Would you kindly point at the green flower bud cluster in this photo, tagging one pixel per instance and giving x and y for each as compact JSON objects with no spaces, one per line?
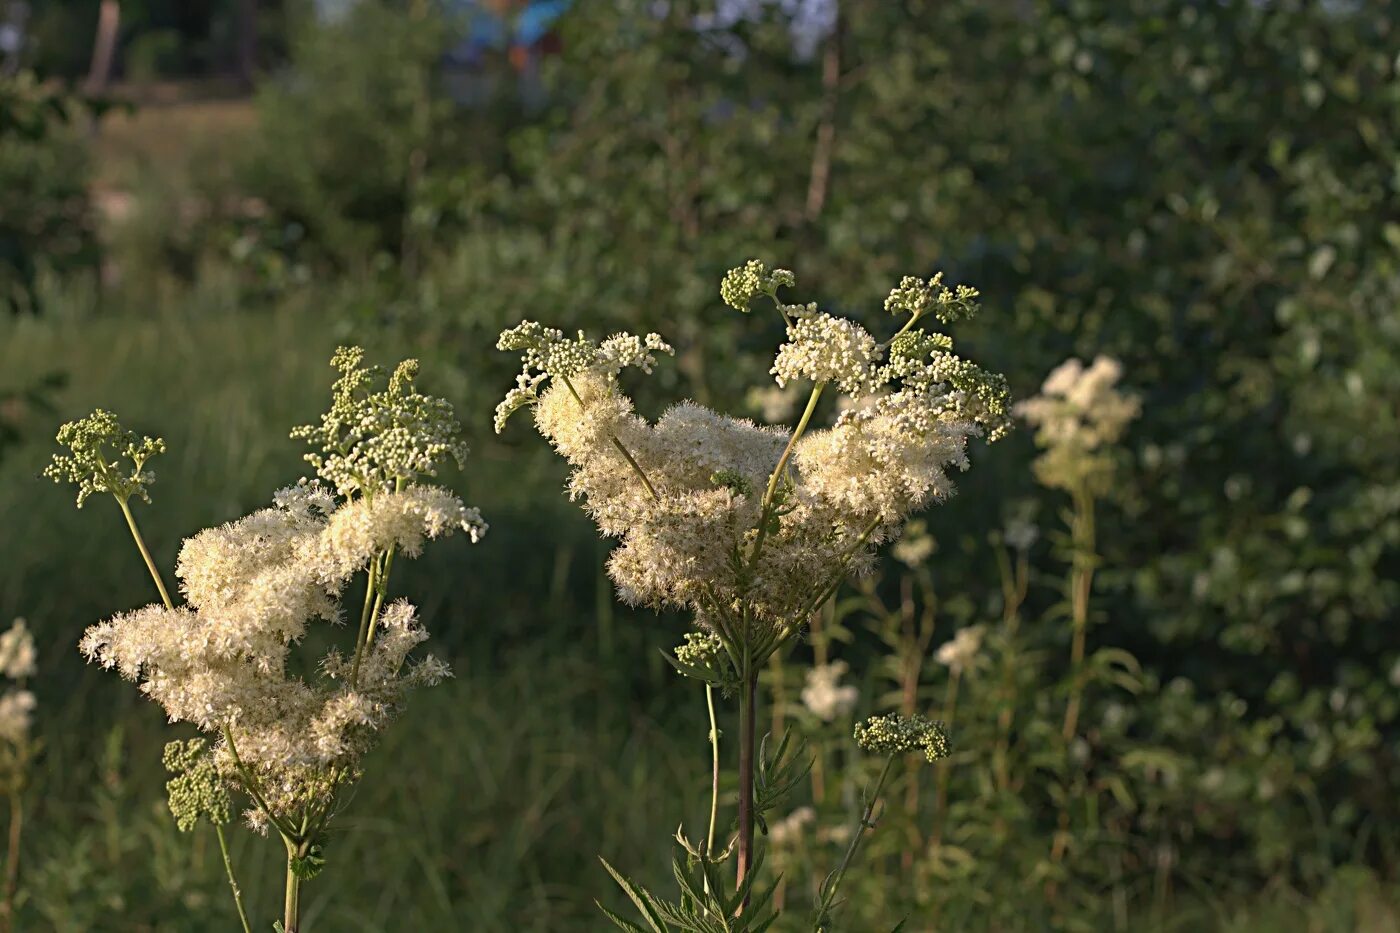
{"x":743,"y":284}
{"x":894,"y":734}
{"x":372,"y":439}
{"x":916,"y":297}
{"x":97,"y":445}
{"x":196,"y":790}
{"x":732,"y":480}
{"x":700,"y":649}
{"x":919,"y":344}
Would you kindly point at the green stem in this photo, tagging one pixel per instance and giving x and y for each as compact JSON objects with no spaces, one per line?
{"x":714,"y":772}
{"x":145,"y":553}
{"x":765,"y":508}
{"x":833,"y":880}
{"x":1081,"y":586}
{"x":362,"y":637}
{"x":746,"y":768}
{"x":232,"y":881}
{"x":383,"y":588}
{"x":950,"y":711}
{"x":622,"y":449}
{"x":291,"y":903}
{"x":250,"y":784}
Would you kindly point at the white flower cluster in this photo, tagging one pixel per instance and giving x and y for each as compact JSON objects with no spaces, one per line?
{"x":253,"y":586}
{"x":685,"y":495}
{"x":1079,"y":416}
{"x":824,"y":348}
{"x":17,"y":663}
{"x":825,"y":696}
{"x":959,"y":653}
{"x":546,"y":352}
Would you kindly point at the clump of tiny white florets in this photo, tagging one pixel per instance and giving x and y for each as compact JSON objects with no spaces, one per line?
{"x":824,"y":348}
{"x":894,"y":734}
{"x":97,"y":446}
{"x":1079,"y":415}
{"x":960,"y":652}
{"x":17,"y":663}
{"x":825,"y":696}
{"x":546,"y":352}
{"x":915,"y":546}
{"x":372,"y":439}
{"x":687,"y":494}
{"x":252,"y":587}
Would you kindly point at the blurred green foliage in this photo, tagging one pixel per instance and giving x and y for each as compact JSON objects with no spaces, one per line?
{"x":46,"y":222}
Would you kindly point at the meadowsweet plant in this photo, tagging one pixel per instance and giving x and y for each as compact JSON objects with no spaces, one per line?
{"x":751,"y":529}
{"x":1080,"y":416}
{"x":288,"y":747}
{"x":17,"y":750}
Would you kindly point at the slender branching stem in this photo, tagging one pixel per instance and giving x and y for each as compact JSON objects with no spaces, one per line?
{"x":714,"y":771}
{"x":765,"y":510}
{"x":636,"y":467}
{"x":1081,"y":585}
{"x":145,"y":552}
{"x":382,"y":590}
{"x":833,"y":881}
{"x":362,"y":637}
{"x":842,"y":567}
{"x":1014,"y":584}
{"x":223,"y":845}
{"x":232,"y":881}
{"x":250,"y":784}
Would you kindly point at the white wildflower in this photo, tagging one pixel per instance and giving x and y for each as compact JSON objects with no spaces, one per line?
{"x":701,"y":526}
{"x":960,"y":652}
{"x":824,"y":348}
{"x":17,"y":654}
{"x":1079,"y":416}
{"x":253,"y":586}
{"x":824,"y":695}
{"x":16,"y":716}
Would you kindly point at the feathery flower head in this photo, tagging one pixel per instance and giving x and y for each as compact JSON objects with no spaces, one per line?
{"x":197,"y":790}
{"x":97,"y":446}
{"x":372,"y":439}
{"x":17,"y":653}
{"x":253,"y":586}
{"x":728,"y":519}
{"x":1079,"y":415}
{"x":743,"y":284}
{"x":894,"y":734}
